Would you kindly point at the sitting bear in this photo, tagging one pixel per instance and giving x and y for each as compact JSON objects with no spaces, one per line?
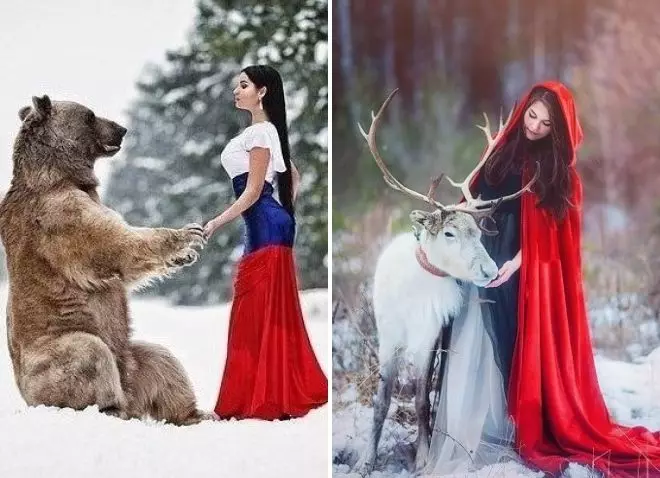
{"x":70,"y":261}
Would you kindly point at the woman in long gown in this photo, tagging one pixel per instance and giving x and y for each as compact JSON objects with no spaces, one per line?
{"x":271,"y":371}
{"x":522,"y":383}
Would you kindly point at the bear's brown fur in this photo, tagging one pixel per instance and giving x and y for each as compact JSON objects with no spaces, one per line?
{"x":70,"y":261}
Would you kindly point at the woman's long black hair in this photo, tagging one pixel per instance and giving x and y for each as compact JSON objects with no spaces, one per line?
{"x":273,"y":103}
{"x":553,"y":153}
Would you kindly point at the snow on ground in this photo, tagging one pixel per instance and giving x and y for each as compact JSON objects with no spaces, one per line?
{"x":631,"y":391}
{"x":45,"y":441}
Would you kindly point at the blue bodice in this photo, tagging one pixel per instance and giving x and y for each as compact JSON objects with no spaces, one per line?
{"x":267,"y":223}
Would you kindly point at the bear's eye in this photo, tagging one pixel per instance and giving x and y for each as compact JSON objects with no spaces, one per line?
{"x":90,"y":117}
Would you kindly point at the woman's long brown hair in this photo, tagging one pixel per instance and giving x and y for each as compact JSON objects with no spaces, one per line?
{"x":553,"y":153}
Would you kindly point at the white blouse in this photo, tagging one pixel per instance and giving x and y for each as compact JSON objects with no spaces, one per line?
{"x":235,"y":158}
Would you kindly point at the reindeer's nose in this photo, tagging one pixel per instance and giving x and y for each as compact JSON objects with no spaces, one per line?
{"x":489,"y":271}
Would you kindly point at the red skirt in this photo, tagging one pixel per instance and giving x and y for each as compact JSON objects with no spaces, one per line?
{"x":271,"y":371}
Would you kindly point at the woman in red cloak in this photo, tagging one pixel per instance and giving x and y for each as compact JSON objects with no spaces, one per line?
{"x":537,"y":329}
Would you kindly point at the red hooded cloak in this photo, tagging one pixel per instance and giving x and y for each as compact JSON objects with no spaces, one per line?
{"x":554,"y":398}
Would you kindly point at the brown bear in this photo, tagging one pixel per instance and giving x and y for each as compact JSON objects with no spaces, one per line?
{"x":70,"y":261}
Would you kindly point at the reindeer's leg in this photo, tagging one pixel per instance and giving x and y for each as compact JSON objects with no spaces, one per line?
{"x":424,"y":376}
{"x":444,"y":354}
{"x":426,"y":384}
{"x":388,"y":373}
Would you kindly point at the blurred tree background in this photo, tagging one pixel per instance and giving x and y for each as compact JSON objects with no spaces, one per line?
{"x":184,"y":115}
{"x":453,"y":60}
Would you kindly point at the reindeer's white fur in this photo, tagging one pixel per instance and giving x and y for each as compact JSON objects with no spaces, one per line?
{"x":410,"y":304}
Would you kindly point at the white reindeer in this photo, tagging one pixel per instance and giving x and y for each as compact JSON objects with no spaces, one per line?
{"x":422,"y":281}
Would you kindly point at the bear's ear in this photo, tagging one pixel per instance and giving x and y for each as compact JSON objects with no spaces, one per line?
{"x":42,"y":106}
{"x":24,"y":112}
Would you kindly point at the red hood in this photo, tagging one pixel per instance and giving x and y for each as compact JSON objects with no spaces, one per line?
{"x":567,"y":106}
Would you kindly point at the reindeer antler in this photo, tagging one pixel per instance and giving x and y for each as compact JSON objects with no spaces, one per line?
{"x":433,"y":186}
{"x":387,"y":175}
{"x":478,"y":205}
{"x":479,"y":208}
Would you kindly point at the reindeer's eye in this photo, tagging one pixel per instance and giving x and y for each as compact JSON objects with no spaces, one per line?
{"x":449,"y":234}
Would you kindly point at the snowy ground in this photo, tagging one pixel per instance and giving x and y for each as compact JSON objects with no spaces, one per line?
{"x":631,"y":391}
{"x":42,"y":441}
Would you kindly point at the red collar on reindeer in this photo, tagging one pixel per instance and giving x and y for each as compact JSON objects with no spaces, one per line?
{"x":423,"y":261}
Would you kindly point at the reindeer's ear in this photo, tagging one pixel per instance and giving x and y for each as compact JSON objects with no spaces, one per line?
{"x":418,"y":216}
{"x":431,"y":221}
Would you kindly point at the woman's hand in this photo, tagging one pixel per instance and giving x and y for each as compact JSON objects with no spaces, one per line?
{"x":506,"y":271}
{"x":210,"y":228}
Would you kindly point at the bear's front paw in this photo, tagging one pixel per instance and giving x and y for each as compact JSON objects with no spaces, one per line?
{"x":187,"y":257}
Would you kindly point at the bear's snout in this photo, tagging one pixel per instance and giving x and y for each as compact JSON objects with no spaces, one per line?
{"x":114,"y":133}
{"x":111,"y":136}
